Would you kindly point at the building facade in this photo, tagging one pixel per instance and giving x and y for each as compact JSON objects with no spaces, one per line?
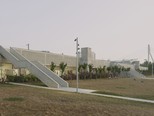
{"x":46,"y":57}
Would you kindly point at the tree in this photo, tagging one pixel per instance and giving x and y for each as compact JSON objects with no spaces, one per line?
{"x":62,"y":66}
{"x":79,"y":68}
{"x":84,"y":66}
{"x":104,"y":68}
{"x":119,"y":71}
{"x":100,"y":70}
{"x":90,"y":66}
{"x":104,"y":71}
{"x":96,"y":72}
{"x":52,"y":66}
{"x":149,"y":66}
{"x":109,"y":71}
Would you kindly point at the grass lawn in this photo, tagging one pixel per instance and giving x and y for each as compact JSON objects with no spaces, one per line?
{"x":138,"y":88}
{"x":28,"y":101}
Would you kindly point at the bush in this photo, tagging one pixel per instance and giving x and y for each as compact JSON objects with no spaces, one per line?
{"x":31,"y":78}
{"x":15,"y":78}
{"x":19,"y":79}
{"x":27,"y":78}
{"x":10,"y":78}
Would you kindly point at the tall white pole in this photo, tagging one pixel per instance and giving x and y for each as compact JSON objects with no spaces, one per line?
{"x":150,"y":55}
{"x":152,"y":63}
{"x":152,"y":69}
{"x":77,"y":78}
{"x":28,"y":46}
{"x":148,"y":52}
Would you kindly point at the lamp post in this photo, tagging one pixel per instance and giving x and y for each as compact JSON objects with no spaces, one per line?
{"x":77,"y":53}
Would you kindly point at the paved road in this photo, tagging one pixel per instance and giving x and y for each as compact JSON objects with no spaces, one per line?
{"x":89,"y":92}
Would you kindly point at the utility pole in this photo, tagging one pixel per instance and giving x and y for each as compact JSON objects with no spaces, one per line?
{"x":150,"y":55}
{"x":28,"y":46}
{"x":148,"y":52}
{"x":77,"y":57}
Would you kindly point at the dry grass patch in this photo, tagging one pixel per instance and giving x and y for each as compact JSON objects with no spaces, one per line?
{"x":42,"y":102}
{"x":131,"y":87}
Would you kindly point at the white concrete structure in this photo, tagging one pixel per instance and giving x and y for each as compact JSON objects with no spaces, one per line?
{"x":18,"y":60}
{"x":22,"y":61}
{"x":44,"y":74}
{"x":89,"y":57}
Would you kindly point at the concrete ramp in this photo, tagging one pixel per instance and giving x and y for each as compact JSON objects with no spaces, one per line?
{"x":58,"y":79}
{"x":134,"y":73}
{"x":46,"y":76}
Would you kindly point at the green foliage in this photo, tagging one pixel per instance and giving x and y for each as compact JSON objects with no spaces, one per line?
{"x":31,"y":78}
{"x":52,"y":66}
{"x":100,"y":70}
{"x":90,"y":66}
{"x":108,"y":69}
{"x":149,"y":65}
{"x":20,"y":79}
{"x":84,"y":66}
{"x":79,"y":68}
{"x":10,"y":78}
{"x":16,"y":78}
{"x":62,"y":66}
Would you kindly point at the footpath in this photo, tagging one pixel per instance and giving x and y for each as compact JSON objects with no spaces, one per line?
{"x":87,"y":91}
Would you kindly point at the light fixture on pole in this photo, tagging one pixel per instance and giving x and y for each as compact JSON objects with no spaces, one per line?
{"x":77,"y":57}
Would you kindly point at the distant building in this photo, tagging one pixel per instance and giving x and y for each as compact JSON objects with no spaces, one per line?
{"x":45,"y":58}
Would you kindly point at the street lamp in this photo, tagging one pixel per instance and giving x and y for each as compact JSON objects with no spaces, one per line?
{"x":77,"y":54}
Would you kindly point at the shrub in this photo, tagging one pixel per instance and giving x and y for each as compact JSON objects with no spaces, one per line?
{"x":27,"y":78}
{"x":15,"y":78}
{"x":19,"y":79}
{"x":31,"y":78}
{"x":10,"y":78}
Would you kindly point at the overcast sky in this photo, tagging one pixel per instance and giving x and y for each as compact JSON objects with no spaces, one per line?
{"x":114,"y":29}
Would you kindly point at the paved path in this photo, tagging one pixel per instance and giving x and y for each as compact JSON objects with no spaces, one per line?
{"x":89,"y":92}
{"x":148,"y":78}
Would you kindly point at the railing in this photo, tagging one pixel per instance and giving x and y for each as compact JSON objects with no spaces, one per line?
{"x":46,"y":79}
{"x":10,"y":57}
{"x":58,"y":79}
{"x":40,"y":71}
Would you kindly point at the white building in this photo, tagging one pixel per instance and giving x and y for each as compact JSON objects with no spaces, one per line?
{"x":46,"y":57}
{"x":16,"y":61}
